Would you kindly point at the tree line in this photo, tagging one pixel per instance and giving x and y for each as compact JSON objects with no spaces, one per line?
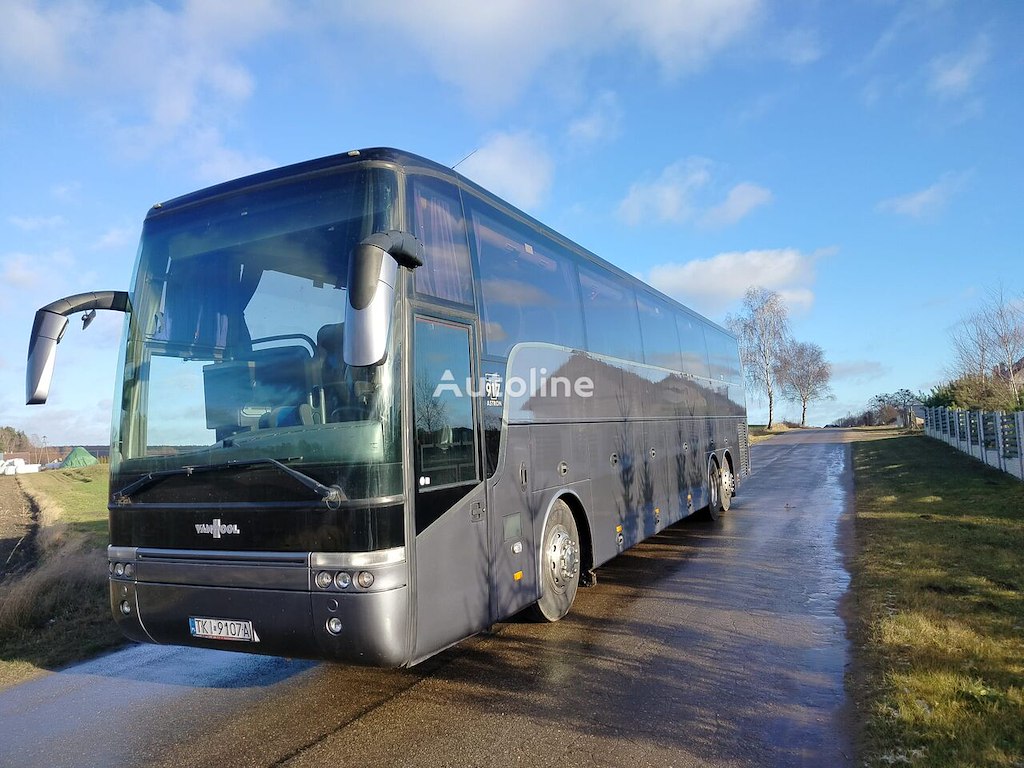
{"x":776,"y":365}
{"x":13,"y":440}
{"x":885,"y":408}
{"x":987,"y":368}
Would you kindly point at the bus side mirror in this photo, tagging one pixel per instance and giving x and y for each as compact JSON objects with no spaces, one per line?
{"x":48,"y":329}
{"x":372,"y":276}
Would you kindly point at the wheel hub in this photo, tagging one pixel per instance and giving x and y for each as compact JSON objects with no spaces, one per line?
{"x":564,"y":559}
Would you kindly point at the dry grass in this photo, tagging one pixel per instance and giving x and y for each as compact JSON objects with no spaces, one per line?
{"x":58,"y":612}
{"x":938,"y":603}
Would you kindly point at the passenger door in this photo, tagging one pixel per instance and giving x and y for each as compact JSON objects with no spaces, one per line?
{"x":452,"y":566}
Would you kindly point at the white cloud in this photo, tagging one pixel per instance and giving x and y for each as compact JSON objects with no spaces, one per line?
{"x":669,"y":198}
{"x":713,"y":284}
{"x":683,"y":35}
{"x":17,"y":271}
{"x":515,"y":166}
{"x":926,"y":202}
{"x":601,"y":123}
{"x":799,"y":47}
{"x":741,"y":200}
{"x":501,"y":45}
{"x":164,"y":75}
{"x":116,"y":237}
{"x":37,"y":223}
{"x":954,"y":75}
{"x":679,"y":195}
{"x":859,"y":371}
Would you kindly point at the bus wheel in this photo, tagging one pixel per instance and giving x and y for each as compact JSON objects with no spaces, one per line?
{"x":728,"y":487}
{"x":559,"y":557}
{"x":715,"y":488}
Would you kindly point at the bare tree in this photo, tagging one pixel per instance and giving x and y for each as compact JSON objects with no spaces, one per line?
{"x":988,"y":348}
{"x":804,"y":375}
{"x":1006,"y":334}
{"x":763,"y":330}
{"x":972,"y":357}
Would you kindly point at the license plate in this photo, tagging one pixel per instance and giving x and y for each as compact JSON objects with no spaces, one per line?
{"x":222,"y":629}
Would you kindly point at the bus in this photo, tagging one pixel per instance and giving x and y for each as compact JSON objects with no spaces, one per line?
{"x":366,"y":409}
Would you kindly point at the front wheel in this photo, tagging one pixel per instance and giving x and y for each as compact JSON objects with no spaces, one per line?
{"x":559,"y":558}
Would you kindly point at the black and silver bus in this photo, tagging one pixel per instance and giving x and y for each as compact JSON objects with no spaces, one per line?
{"x":366,"y":409}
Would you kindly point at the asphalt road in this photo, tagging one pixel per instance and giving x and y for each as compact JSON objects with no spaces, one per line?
{"x":712,"y":644}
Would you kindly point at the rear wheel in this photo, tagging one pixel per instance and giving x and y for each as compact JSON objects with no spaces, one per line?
{"x":715,"y":504}
{"x":559,"y":558}
{"x":727,"y":488}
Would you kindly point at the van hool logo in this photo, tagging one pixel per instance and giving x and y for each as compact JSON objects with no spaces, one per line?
{"x":217,"y":528}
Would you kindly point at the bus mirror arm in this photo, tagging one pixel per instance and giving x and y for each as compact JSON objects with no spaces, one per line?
{"x":48,"y":329}
{"x":372,"y":277}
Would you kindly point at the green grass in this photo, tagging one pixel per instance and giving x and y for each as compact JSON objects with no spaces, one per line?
{"x":80,"y":495}
{"x":58,"y":612}
{"x":938,"y":607}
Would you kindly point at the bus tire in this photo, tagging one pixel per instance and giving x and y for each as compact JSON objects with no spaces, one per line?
{"x":559,"y":561}
{"x":728,"y":487}
{"x":715,"y":490}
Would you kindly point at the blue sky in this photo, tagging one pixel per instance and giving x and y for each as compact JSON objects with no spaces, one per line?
{"x":864,"y":159}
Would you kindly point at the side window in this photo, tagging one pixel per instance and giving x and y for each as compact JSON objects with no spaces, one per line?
{"x":445,"y":446}
{"x":527,"y":287}
{"x":723,"y":357}
{"x":693,"y":345}
{"x":609,"y":311}
{"x":439,"y":224}
{"x":658,"y":326}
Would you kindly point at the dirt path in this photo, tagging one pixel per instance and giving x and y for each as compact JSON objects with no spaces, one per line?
{"x":15,"y":527}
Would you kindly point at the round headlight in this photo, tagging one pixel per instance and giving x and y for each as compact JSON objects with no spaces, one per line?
{"x":126,"y":607}
{"x":334,"y":625}
{"x":364,"y":579}
{"x":129,"y":569}
{"x":342,"y":580}
{"x":119,"y":569}
{"x":324,"y":579}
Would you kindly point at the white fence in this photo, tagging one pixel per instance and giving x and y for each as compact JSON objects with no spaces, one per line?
{"x":992,"y":437}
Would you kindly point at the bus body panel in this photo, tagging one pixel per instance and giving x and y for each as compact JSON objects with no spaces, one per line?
{"x":512,"y":510}
{"x":453,"y":575}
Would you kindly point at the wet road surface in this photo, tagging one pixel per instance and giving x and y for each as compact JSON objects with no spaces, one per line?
{"x":710,"y":644}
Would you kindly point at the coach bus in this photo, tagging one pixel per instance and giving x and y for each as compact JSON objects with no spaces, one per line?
{"x":366,"y":409}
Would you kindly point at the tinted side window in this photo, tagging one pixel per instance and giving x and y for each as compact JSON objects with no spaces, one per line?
{"x":439,"y":224}
{"x":609,"y":310}
{"x":527,"y":287}
{"x":723,"y":356}
{"x":445,"y":448}
{"x":694,"y":348}
{"x":658,"y":326}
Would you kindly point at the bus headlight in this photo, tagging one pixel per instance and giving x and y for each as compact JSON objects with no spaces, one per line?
{"x":342,"y":580}
{"x":364,"y":579}
{"x":324,"y":579}
{"x":334,"y":625}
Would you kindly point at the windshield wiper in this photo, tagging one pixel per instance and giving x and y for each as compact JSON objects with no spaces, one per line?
{"x":331,"y":495}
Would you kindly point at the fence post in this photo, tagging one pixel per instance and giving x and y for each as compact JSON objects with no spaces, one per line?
{"x":1018,"y":418}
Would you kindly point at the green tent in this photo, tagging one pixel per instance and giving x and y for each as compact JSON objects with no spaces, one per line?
{"x":79,"y":458}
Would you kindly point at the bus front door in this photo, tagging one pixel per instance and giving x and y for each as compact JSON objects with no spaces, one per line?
{"x":452,"y":564}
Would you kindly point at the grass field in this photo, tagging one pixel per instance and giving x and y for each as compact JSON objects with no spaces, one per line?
{"x":58,"y":612}
{"x":938,"y":609}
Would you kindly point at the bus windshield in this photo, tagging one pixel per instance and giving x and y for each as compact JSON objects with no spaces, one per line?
{"x":234,"y":350}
